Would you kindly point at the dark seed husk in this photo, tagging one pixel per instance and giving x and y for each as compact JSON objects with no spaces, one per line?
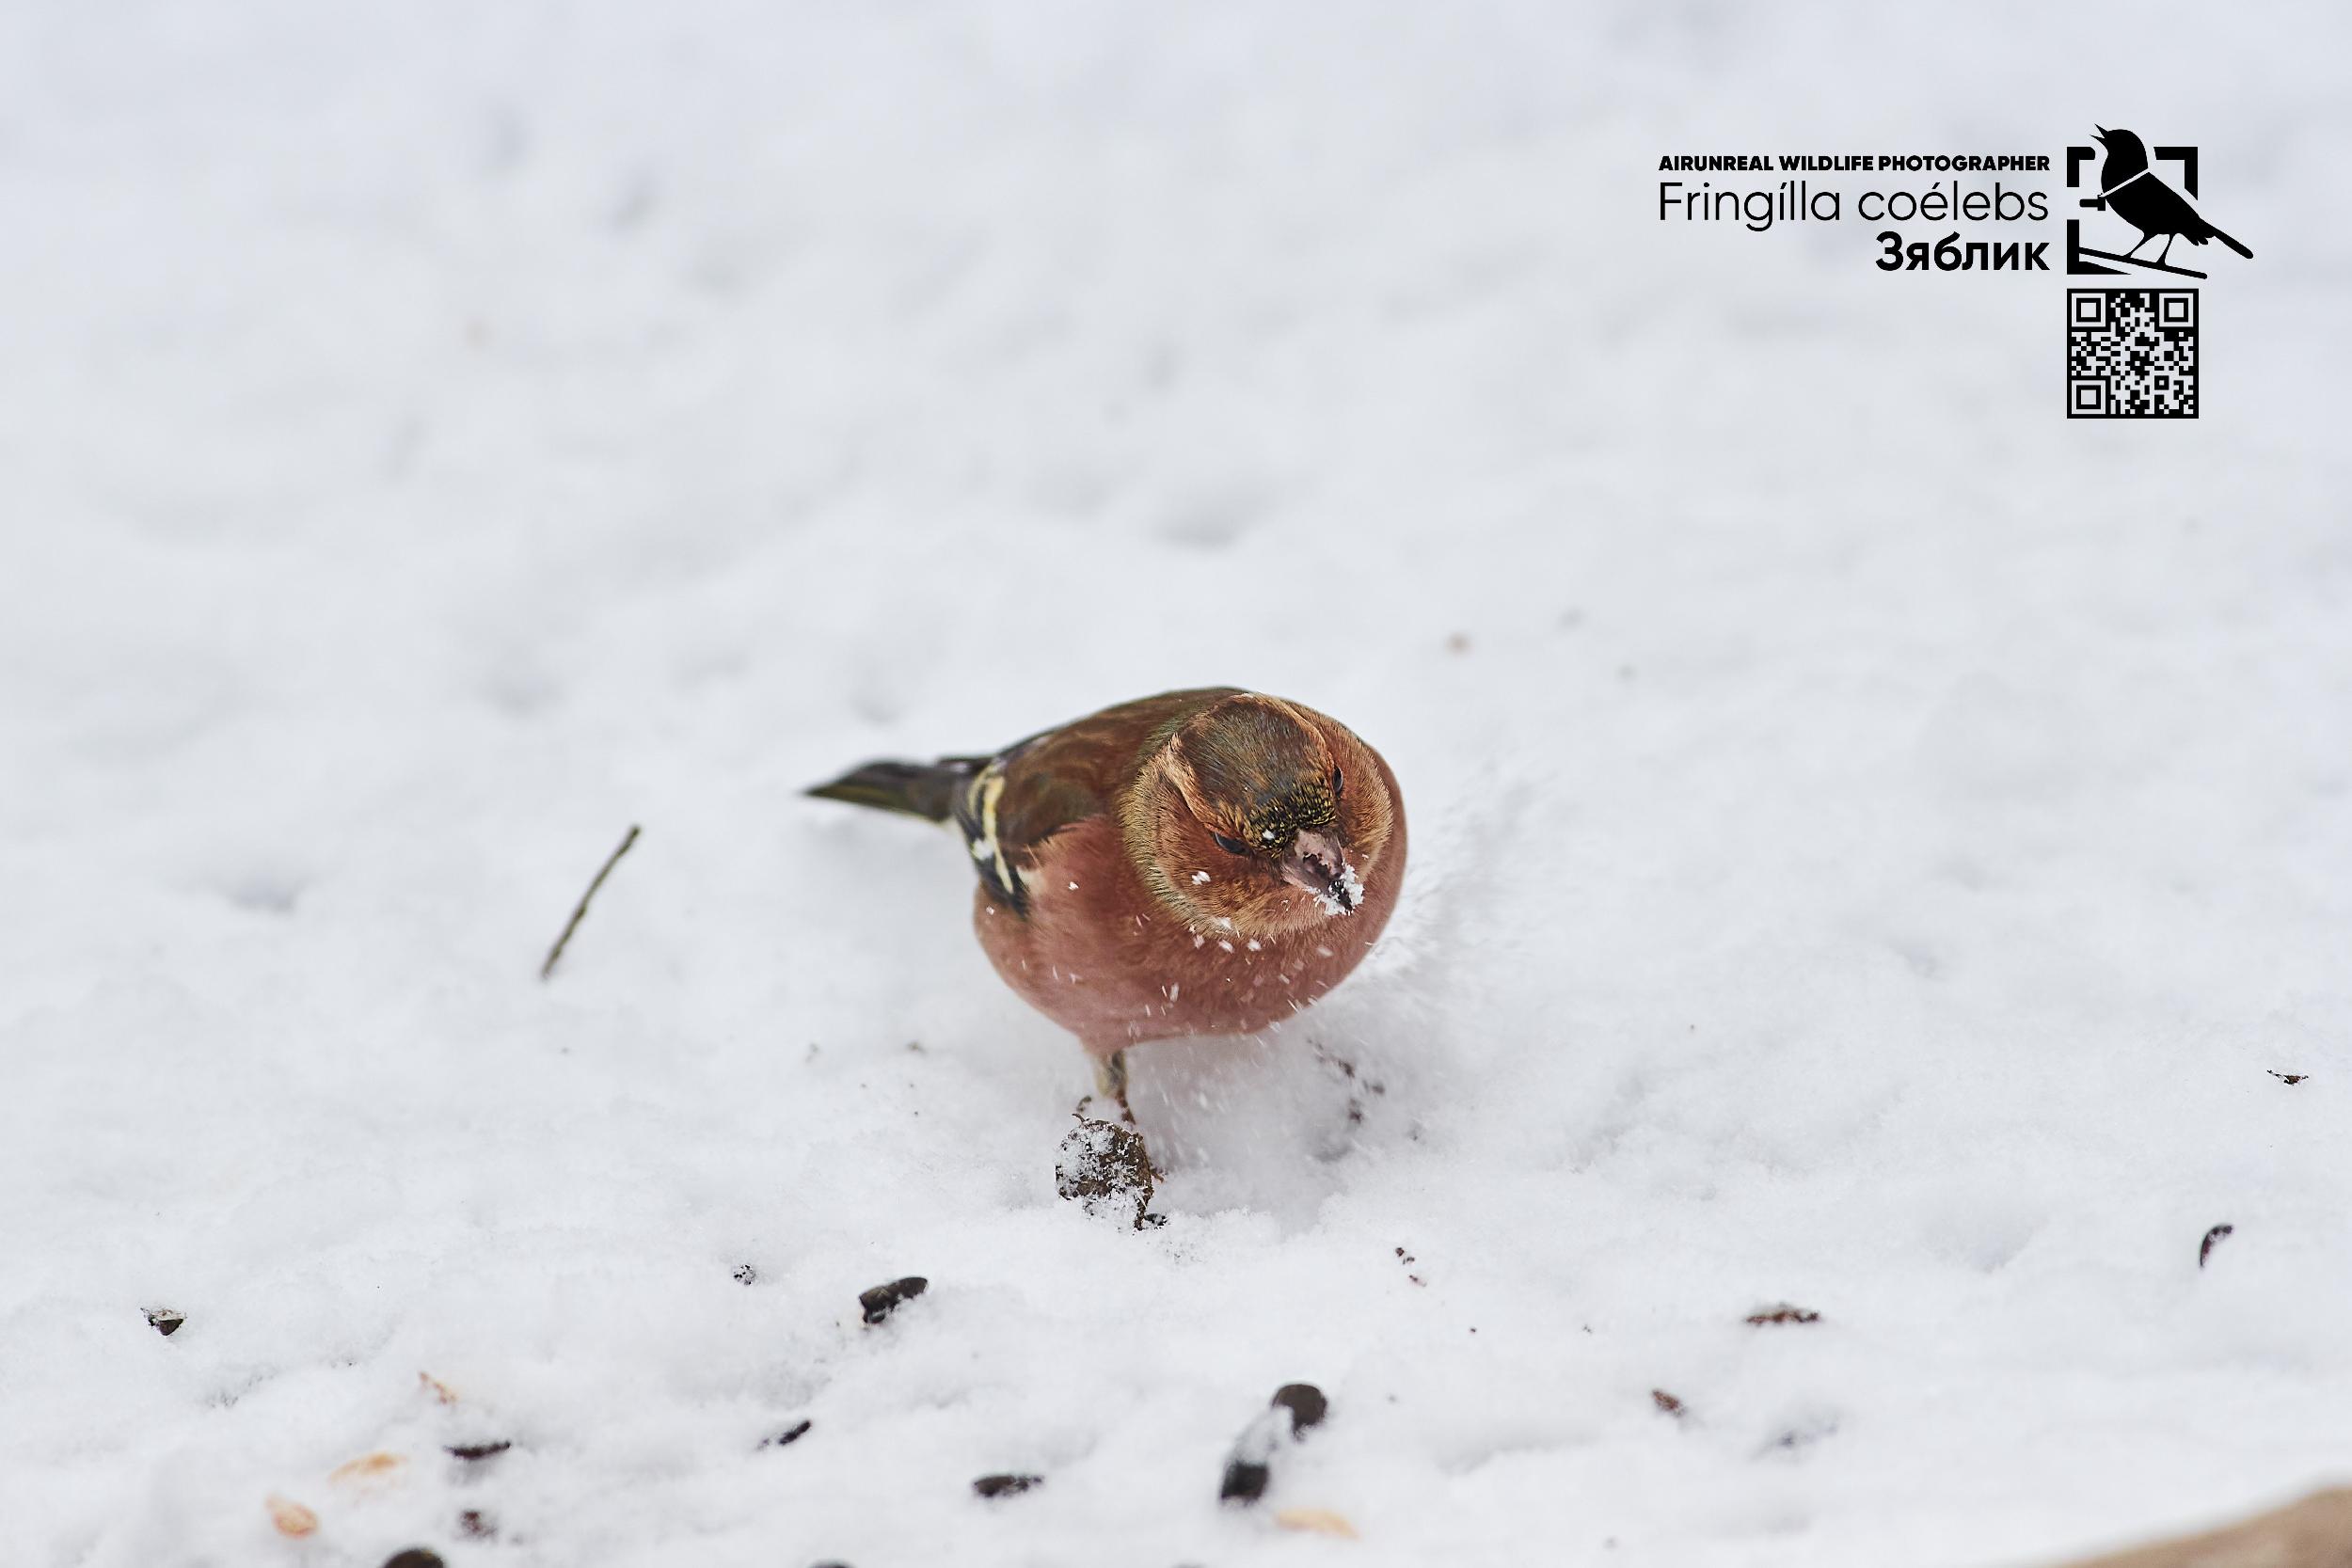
{"x":1306,"y":1404}
{"x":1783,"y":1313}
{"x":1244,"y":1483}
{"x":882,"y":1300}
{"x":1006,"y":1486}
{"x":478,"y":1450}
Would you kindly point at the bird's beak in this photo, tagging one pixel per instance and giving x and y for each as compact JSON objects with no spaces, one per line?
{"x":2098,"y":135}
{"x":1318,"y":864}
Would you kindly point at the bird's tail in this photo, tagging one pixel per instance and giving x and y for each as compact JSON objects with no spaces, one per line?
{"x":2233,"y":243}
{"x":924,"y":789}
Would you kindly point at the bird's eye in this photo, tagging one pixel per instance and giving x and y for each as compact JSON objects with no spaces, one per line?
{"x":1337,"y":780}
{"x":1230,"y":846}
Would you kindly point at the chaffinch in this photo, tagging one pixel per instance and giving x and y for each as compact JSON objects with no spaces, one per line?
{"x":1199,"y":862}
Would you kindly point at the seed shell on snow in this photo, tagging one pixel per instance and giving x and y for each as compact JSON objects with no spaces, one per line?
{"x":472,"y":1452}
{"x":1783,"y":1313}
{"x":1319,"y":1520}
{"x":882,"y":1300}
{"x":788,"y":1436}
{"x":368,"y":1467}
{"x":1006,"y":1486}
{"x":291,"y":1518}
{"x":1295,"y":1409}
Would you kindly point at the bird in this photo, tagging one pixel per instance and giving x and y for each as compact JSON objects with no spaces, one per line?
{"x":2131,"y":189}
{"x":1206,"y":862}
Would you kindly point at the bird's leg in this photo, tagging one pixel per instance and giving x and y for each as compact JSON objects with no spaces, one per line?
{"x":1110,"y":1082}
{"x":1110,"y":1079}
{"x":2167,"y":249}
{"x":2134,"y":251}
{"x":1105,"y":1161}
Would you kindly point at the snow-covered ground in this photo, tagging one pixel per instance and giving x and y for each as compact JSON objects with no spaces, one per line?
{"x":1875,"y":841}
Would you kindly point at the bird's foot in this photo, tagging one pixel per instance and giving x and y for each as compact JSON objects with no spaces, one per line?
{"x":1105,"y":1167}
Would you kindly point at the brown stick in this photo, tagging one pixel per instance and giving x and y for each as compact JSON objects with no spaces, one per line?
{"x":579,"y":910}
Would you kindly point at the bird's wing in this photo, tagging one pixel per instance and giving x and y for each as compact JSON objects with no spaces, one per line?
{"x":2156,"y":208}
{"x":1032,"y":790}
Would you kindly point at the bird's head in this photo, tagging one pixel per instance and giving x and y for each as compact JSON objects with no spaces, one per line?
{"x":2121,"y":145}
{"x":1259,"y":817}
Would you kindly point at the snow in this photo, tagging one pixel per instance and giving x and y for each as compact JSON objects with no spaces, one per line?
{"x":1349,"y":883}
{"x":1875,"y":840}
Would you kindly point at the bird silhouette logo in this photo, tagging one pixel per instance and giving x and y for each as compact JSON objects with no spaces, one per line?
{"x":2130,"y":188}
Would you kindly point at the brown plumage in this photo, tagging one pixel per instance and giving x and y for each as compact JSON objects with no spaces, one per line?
{"x":1199,"y":862}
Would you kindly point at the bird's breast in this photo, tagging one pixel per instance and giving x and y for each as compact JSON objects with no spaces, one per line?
{"x":1100,"y":955}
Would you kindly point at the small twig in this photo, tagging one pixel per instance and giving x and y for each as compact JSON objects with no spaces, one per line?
{"x":581,"y":909}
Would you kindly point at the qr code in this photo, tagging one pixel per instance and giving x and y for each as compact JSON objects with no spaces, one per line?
{"x":2131,"y":354}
